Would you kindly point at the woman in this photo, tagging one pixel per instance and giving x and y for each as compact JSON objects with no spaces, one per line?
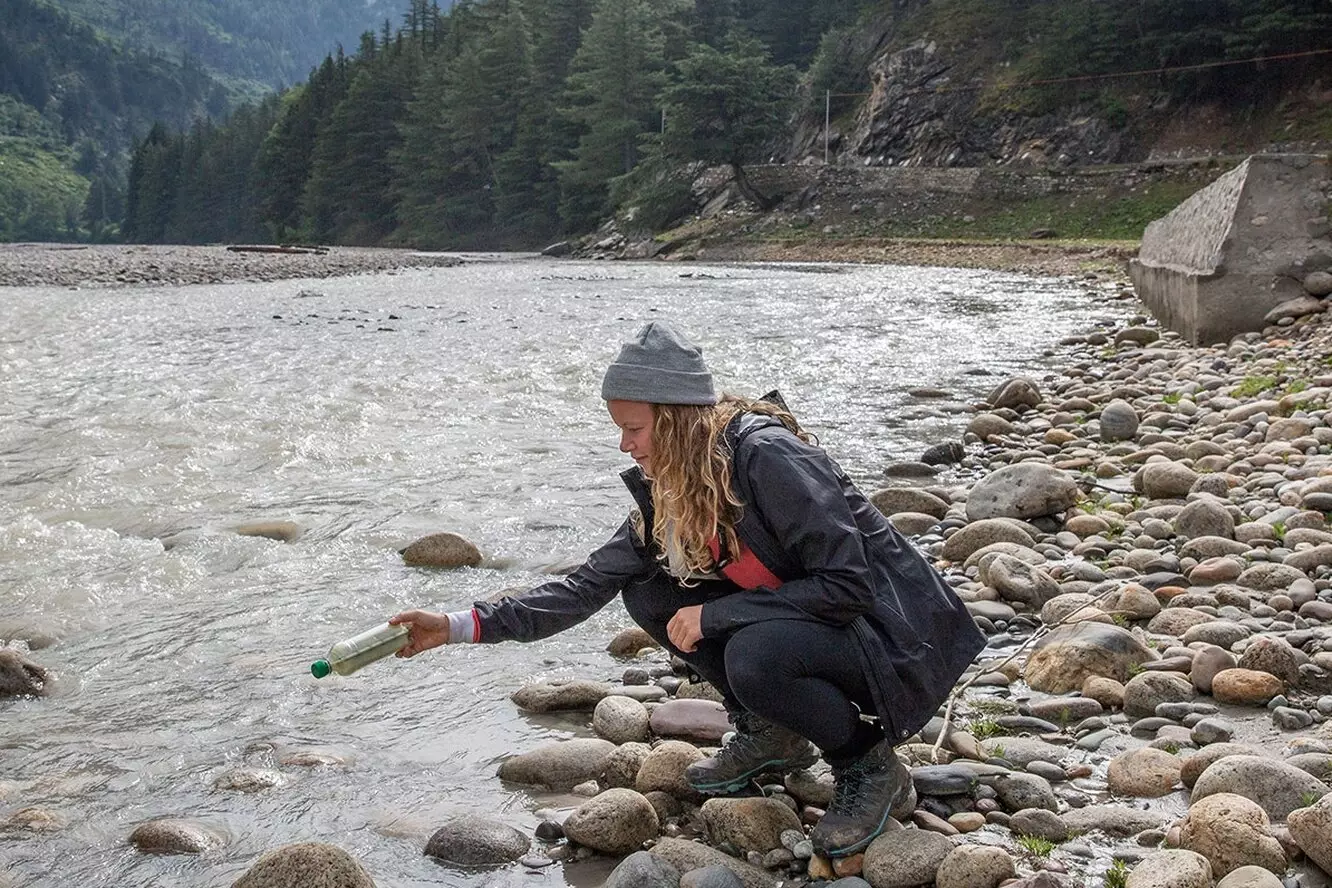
{"x":753,"y":558}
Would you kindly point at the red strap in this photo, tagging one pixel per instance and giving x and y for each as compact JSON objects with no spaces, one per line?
{"x":745,"y":570}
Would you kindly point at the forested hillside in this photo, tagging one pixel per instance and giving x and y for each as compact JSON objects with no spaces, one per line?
{"x":505,"y":123}
{"x":272,"y":43}
{"x":82,"y":81}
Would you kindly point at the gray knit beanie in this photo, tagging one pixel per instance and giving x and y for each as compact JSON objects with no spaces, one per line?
{"x":659,"y":366}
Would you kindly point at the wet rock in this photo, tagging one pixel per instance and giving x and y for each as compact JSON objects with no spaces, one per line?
{"x":476,"y":841}
{"x":573,"y":696}
{"x":1020,"y":391}
{"x":644,"y":870}
{"x":19,"y":676}
{"x":702,"y":721}
{"x":1023,"y":490}
{"x":444,"y":550}
{"x":37,"y":633}
{"x":1231,"y":831}
{"x":1275,"y":786}
{"x":628,"y":642}
{"x":280,"y":531}
{"x":907,"y":858}
{"x":943,"y":454}
{"x":1171,"y":869}
{"x":174,"y":837}
{"x":754,"y":824}
{"x":1061,"y":661}
{"x":306,"y":865}
{"x":620,"y":720}
{"x":33,"y":819}
{"x":559,"y":766}
{"x":246,"y":779}
{"x":618,"y":821}
{"x":974,"y":866}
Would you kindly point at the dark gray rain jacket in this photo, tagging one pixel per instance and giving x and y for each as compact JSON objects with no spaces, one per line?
{"x":840,"y":562}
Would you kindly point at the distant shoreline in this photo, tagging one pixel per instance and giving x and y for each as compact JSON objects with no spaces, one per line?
{"x":1048,"y":258}
{"x":131,"y":265}
{"x":134,"y":265}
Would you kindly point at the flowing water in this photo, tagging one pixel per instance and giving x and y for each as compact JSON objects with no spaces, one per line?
{"x":137,"y":426}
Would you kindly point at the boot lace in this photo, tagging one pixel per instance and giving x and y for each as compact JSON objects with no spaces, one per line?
{"x":851,"y":794}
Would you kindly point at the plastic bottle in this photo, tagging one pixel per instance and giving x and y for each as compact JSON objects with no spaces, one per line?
{"x":347,"y":656}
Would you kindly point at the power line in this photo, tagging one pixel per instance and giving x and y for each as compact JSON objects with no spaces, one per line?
{"x":1091,"y":77}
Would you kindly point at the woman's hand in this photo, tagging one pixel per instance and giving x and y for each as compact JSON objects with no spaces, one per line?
{"x":426,"y":631}
{"x":685,"y":629}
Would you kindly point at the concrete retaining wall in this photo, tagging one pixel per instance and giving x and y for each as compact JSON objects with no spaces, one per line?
{"x":1216,"y":264}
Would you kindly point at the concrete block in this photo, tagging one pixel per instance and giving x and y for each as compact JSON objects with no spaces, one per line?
{"x":1219,"y":262}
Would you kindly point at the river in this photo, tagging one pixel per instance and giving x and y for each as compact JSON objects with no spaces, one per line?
{"x":140,"y":425}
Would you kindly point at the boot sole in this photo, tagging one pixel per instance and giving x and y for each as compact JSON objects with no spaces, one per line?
{"x":735,"y":784}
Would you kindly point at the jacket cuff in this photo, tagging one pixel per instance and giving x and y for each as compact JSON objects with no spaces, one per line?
{"x":464,"y":628}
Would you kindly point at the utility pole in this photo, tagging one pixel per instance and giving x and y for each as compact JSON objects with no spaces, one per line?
{"x":827,"y":116}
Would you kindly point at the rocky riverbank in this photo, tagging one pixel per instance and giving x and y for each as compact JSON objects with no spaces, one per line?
{"x":77,"y":265}
{"x":1144,"y":538}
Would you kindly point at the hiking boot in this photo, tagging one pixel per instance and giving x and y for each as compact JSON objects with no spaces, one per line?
{"x":867,"y":791}
{"x":758,"y":747}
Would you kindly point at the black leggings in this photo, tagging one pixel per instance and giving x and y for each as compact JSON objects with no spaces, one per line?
{"x":803,"y":675}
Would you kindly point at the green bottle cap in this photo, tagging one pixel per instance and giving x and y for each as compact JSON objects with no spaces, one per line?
{"x":320,"y":668}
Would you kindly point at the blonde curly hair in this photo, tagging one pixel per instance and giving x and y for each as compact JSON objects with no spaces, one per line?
{"x":691,"y":476}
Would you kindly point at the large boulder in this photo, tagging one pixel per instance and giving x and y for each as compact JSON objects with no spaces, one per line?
{"x":1231,"y":831}
{"x":446,"y":550}
{"x":615,"y":822}
{"x":170,"y":836}
{"x":1061,"y":661}
{"x":559,"y":766}
{"x":753,"y":824}
{"x":1275,"y":786}
{"x":1022,"y":490}
{"x":1219,"y":262}
{"x":476,"y":841}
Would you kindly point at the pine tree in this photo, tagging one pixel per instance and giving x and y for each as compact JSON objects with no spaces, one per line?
{"x":618,"y":71}
{"x":348,"y":197}
{"x":726,"y":108}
